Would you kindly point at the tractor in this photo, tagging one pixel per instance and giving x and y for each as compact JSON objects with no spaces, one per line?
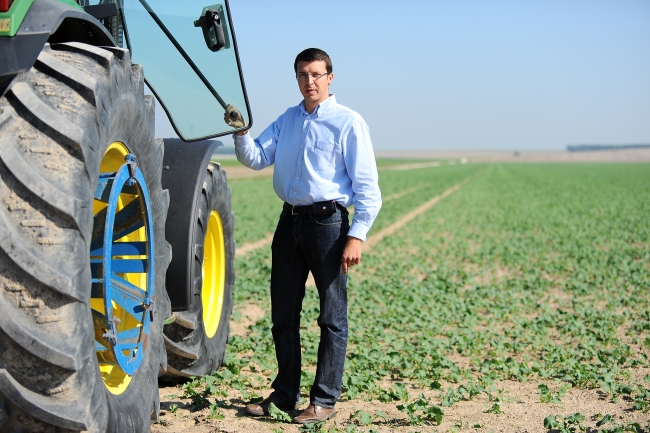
{"x":116,"y":248}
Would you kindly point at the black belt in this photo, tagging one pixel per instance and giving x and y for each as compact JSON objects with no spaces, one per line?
{"x":318,"y":208}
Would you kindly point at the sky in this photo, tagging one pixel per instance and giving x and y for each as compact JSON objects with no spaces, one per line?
{"x":462,"y":74}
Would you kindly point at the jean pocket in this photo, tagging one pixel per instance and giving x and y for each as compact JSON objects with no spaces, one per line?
{"x":333,"y":219}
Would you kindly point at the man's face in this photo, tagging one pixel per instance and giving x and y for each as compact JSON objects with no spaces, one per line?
{"x":314,"y":82}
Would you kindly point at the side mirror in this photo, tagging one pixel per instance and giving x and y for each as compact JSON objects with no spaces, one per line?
{"x":213,"y":32}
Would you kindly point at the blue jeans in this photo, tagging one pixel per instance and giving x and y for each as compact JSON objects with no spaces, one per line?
{"x":304,"y":243}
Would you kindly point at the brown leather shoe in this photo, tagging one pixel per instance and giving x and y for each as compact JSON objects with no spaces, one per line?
{"x":262,"y":408}
{"x":314,"y":413}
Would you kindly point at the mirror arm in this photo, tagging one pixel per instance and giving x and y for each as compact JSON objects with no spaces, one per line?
{"x":125,"y":28}
{"x":187,"y":58}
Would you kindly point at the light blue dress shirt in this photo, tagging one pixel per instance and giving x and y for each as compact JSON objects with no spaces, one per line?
{"x":325,"y":155}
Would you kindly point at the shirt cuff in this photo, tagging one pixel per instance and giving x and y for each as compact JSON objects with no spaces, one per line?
{"x":358,"y":230}
{"x":242,"y":140}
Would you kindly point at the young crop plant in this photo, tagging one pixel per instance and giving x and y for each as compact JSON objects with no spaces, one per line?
{"x":278,"y":414}
{"x":318,"y":427}
{"x":451,"y":397}
{"x":420,"y":411}
{"x":608,"y":424}
{"x":363,"y":418}
{"x":614,"y":388}
{"x":494,"y":408}
{"x":471,"y":389}
{"x":397,"y":393}
{"x":214,"y":411}
{"x":568,"y":424}
{"x":642,"y":399}
{"x":198,"y":397}
{"x":546,"y":396}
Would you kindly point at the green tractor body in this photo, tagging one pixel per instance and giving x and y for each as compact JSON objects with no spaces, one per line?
{"x":116,"y":248}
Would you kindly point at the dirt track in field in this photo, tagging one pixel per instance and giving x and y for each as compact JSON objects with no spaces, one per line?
{"x":391,"y":229}
{"x":255,"y":245}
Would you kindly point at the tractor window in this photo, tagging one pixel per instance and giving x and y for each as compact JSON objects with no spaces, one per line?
{"x":192,"y":82}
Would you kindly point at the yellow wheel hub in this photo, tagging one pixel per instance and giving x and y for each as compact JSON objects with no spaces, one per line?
{"x":214,"y":274}
{"x":116,"y":380}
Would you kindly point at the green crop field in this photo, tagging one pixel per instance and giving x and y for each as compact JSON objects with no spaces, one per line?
{"x":519,"y":302}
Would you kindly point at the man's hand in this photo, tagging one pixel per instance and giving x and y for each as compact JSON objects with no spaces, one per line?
{"x":351,"y":253}
{"x":235,"y":122}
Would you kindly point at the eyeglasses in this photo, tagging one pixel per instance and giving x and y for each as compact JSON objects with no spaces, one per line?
{"x":303,"y":77}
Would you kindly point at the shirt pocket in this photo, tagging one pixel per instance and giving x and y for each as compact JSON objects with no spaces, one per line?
{"x":321,"y":155}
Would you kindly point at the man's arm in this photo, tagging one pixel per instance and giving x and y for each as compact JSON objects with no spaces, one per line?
{"x":366,"y":196}
{"x":361,"y":167}
{"x":259,"y":153}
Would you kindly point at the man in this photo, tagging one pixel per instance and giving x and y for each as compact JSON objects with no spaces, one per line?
{"x":324,"y":162}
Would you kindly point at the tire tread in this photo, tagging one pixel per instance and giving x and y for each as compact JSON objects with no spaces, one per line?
{"x":56,"y":121}
{"x":202,"y":354}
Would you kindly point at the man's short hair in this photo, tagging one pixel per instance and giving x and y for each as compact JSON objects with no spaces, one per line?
{"x":311,"y":55}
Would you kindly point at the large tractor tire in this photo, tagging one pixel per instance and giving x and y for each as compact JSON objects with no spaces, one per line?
{"x":79,"y":354}
{"x":196,"y":340}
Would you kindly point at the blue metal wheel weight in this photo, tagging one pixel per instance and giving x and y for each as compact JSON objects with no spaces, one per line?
{"x":126,"y":346}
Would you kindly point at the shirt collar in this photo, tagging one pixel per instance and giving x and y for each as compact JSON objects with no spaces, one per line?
{"x":321,"y":108}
